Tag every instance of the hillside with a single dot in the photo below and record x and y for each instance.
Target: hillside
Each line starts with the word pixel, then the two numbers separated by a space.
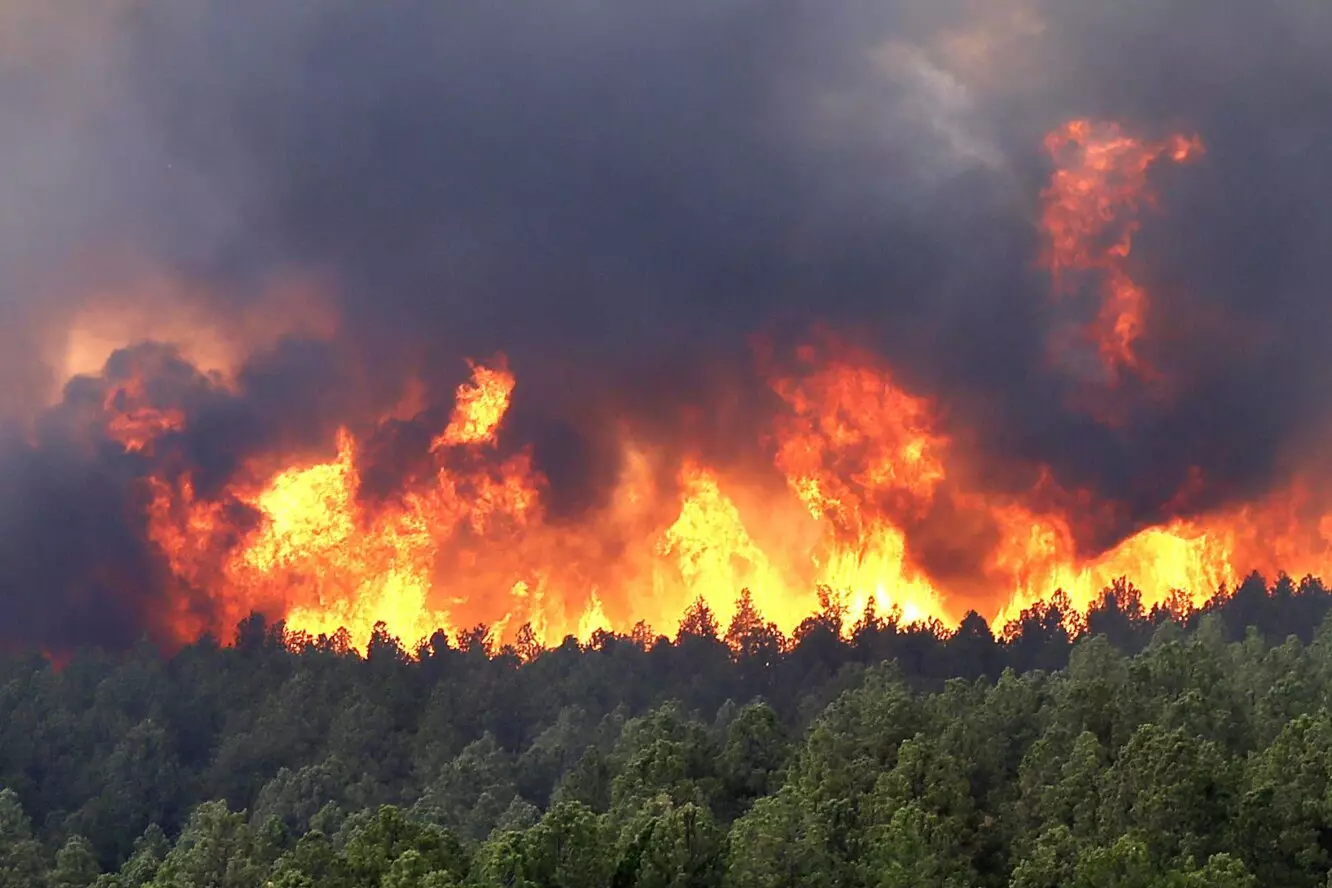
pixel 1148 750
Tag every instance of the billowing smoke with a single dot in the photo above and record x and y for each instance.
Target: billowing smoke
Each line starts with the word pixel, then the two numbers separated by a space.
pixel 280 217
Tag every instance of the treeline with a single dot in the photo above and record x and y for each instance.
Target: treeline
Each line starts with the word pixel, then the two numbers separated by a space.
pixel 1142 748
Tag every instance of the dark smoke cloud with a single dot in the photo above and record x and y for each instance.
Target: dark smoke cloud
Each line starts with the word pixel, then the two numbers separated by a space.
pixel 74 570
pixel 618 194
pixel 76 563
pixel 291 400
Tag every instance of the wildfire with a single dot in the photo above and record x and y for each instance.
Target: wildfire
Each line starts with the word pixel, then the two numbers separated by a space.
pixel 1090 220
pixel 481 406
pixel 135 423
pixel 861 457
pixel 134 416
pixel 854 465
pixel 861 454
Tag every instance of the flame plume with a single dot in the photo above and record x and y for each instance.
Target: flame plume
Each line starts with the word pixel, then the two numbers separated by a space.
pixel 860 457
pixel 480 409
pixel 1089 221
pixel 857 472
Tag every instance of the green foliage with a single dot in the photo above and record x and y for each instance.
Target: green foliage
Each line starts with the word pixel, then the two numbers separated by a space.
pixel 1154 754
pixel 75 865
pixel 568 847
pixel 473 791
pixel 772 846
pixel 377 848
pixel 21 857
pixel 216 849
pixel 672 845
pixel 753 756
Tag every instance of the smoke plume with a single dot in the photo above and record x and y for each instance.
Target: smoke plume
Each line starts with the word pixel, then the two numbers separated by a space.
pixel 238 226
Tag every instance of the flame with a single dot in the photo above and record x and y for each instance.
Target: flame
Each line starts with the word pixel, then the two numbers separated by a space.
pixel 855 465
pixel 480 409
pixel 135 422
pixel 857 450
pixel 852 433
pixel 712 550
pixel 1189 558
pixel 1090 219
pixel 861 458
pixel 361 571
pixel 135 414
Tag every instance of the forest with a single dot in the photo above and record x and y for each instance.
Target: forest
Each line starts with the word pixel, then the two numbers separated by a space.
pixel 1123 747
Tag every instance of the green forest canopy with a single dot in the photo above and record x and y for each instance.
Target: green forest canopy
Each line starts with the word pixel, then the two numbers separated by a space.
pixel 1143 749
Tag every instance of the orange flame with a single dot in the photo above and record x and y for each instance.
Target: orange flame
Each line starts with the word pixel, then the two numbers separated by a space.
pixel 480 409
pixel 860 456
pixel 1090 220
pixel 134 421
pixel 134 418
pixel 858 465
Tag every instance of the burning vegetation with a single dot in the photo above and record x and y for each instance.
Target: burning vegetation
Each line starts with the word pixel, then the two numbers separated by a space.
pixel 851 481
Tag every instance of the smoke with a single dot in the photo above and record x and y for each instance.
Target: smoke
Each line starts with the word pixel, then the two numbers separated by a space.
pixel 619 196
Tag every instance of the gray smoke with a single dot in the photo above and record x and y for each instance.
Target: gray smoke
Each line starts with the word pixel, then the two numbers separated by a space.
pixel 617 195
